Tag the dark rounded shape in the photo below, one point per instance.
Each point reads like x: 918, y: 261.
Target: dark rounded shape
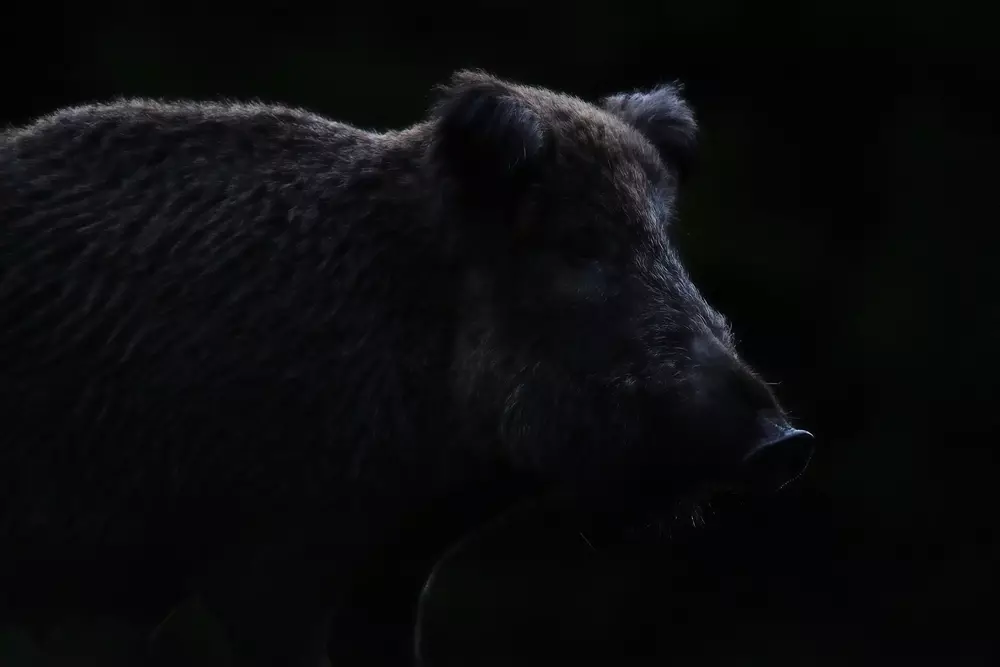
x: 779, y: 459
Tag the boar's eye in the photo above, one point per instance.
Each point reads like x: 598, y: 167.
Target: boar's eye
x: 582, y: 280
x: 583, y: 248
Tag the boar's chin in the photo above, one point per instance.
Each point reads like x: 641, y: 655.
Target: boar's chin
x: 688, y: 510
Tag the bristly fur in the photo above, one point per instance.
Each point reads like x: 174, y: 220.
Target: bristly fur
x: 286, y: 355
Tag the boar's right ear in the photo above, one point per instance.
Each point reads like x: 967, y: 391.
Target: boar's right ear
x: 486, y: 135
x: 663, y: 116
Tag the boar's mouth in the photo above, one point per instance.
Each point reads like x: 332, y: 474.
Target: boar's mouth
x: 641, y: 513
x: 619, y: 510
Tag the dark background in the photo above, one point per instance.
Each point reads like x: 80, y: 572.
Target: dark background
x: 842, y: 217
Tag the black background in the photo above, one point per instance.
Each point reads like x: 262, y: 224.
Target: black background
x: 842, y: 218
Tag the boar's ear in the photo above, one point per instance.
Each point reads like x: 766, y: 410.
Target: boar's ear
x: 665, y: 119
x: 486, y: 135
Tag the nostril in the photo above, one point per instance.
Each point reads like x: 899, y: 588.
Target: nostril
x: 782, y: 455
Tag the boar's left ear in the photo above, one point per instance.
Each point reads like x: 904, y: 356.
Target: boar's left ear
x: 665, y: 119
x: 486, y: 133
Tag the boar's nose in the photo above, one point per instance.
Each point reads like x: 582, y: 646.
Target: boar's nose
x: 779, y: 457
